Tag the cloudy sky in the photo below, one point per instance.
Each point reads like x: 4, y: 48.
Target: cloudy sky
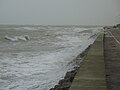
x: 60, y: 12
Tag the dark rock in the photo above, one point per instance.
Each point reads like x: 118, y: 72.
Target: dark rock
x: 61, y: 82
x: 52, y: 89
x: 58, y: 87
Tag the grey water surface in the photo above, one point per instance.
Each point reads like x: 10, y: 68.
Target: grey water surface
x: 39, y: 63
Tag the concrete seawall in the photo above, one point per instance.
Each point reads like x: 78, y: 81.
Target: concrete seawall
x: 91, y: 75
x: 112, y: 58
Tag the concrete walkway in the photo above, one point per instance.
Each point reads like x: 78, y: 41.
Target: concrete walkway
x: 91, y: 75
x: 112, y: 58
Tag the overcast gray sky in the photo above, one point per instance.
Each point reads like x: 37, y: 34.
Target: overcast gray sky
x: 60, y: 12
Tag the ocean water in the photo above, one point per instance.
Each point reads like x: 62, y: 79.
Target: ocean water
x: 39, y: 63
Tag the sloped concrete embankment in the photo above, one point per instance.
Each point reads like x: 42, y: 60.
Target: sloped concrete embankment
x: 91, y: 74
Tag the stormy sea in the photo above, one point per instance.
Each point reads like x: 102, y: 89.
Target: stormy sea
x: 34, y: 57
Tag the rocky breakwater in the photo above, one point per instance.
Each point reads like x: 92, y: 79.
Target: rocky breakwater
x: 65, y: 83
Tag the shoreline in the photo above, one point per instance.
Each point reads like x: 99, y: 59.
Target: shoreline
x: 65, y: 83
